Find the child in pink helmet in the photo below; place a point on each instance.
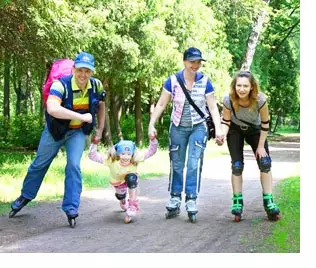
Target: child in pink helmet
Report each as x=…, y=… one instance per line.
x=122, y=160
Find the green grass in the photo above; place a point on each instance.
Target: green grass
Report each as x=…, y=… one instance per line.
x=14, y=165
x=287, y=130
x=285, y=236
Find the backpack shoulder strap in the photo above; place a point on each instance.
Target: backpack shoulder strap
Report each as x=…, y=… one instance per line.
x=67, y=97
x=94, y=85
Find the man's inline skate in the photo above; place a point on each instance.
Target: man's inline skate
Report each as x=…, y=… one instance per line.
x=270, y=207
x=173, y=207
x=190, y=206
x=17, y=205
x=71, y=216
x=131, y=210
x=237, y=207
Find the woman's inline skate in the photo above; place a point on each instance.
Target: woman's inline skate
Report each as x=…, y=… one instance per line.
x=173, y=207
x=17, y=205
x=190, y=206
x=131, y=210
x=237, y=207
x=270, y=207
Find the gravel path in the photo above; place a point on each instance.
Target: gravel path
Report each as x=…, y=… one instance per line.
x=100, y=226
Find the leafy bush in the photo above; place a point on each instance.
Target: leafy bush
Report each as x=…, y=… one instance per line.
x=21, y=131
x=4, y=130
x=129, y=130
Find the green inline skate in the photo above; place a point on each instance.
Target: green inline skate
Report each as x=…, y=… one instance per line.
x=270, y=207
x=237, y=207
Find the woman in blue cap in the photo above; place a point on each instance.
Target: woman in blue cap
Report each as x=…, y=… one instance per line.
x=122, y=160
x=188, y=130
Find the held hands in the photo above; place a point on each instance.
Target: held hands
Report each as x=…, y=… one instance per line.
x=152, y=132
x=96, y=138
x=220, y=140
x=220, y=137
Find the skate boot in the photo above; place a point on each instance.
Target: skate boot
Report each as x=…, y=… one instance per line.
x=237, y=207
x=270, y=207
x=190, y=206
x=123, y=204
x=17, y=205
x=72, y=215
x=173, y=207
x=121, y=195
x=131, y=210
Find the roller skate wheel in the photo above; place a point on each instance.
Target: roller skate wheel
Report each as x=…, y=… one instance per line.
x=72, y=222
x=172, y=213
x=192, y=218
x=127, y=219
x=237, y=218
x=12, y=213
x=274, y=217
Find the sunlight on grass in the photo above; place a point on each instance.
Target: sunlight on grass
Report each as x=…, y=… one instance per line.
x=285, y=237
x=14, y=167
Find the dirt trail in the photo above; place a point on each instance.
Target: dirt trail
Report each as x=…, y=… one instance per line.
x=100, y=226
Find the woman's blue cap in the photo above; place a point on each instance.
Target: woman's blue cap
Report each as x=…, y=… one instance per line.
x=193, y=54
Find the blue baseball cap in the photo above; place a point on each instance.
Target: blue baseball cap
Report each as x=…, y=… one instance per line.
x=192, y=54
x=84, y=60
x=125, y=146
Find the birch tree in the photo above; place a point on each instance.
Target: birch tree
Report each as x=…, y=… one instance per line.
x=254, y=38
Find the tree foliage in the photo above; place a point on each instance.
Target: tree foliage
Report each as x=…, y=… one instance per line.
x=139, y=43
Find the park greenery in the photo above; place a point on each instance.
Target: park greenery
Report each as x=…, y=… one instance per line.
x=137, y=44
x=284, y=236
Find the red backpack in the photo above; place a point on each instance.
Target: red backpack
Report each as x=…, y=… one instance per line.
x=60, y=68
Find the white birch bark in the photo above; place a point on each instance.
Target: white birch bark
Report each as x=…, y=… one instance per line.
x=253, y=39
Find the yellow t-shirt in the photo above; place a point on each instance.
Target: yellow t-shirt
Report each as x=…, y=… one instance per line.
x=118, y=172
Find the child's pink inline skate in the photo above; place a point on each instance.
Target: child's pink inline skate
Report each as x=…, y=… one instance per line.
x=131, y=210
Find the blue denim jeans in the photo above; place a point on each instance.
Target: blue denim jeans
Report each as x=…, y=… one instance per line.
x=74, y=142
x=180, y=139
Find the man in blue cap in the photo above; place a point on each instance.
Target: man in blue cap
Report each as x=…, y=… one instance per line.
x=73, y=104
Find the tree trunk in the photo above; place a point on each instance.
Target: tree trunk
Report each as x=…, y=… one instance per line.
x=15, y=87
x=151, y=105
x=6, y=85
x=19, y=97
x=138, y=115
x=253, y=39
x=28, y=92
x=116, y=111
x=40, y=89
x=276, y=123
x=107, y=137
